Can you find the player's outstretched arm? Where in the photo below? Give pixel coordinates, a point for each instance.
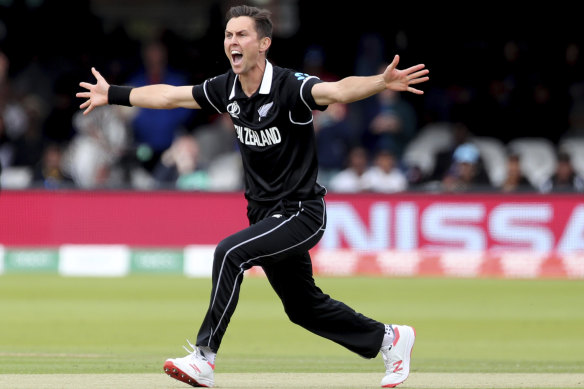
(356, 88)
(152, 96)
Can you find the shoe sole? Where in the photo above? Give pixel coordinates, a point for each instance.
(411, 350)
(178, 374)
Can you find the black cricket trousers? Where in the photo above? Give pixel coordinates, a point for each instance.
(278, 240)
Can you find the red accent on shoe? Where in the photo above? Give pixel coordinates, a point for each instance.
(395, 335)
(211, 364)
(180, 375)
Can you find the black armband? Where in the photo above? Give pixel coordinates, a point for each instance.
(119, 95)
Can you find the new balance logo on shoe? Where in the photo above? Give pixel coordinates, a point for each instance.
(397, 366)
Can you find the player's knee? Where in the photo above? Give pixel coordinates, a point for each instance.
(297, 315)
(222, 250)
(226, 250)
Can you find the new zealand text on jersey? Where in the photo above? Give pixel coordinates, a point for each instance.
(266, 137)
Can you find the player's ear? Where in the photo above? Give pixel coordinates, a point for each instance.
(265, 44)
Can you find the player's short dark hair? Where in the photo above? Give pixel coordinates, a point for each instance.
(261, 17)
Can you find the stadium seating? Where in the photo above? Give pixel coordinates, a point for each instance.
(538, 157)
(16, 177)
(574, 146)
(421, 151)
(494, 156)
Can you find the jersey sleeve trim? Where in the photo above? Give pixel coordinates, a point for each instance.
(301, 91)
(299, 123)
(207, 96)
(306, 96)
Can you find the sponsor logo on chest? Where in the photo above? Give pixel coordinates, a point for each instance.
(261, 138)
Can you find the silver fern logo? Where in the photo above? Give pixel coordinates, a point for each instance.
(263, 110)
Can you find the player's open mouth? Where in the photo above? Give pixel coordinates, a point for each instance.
(236, 57)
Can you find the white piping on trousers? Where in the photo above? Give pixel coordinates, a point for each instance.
(253, 259)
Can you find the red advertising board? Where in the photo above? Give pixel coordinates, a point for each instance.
(359, 222)
(41, 218)
(403, 234)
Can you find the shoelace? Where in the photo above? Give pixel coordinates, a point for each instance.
(195, 352)
(195, 348)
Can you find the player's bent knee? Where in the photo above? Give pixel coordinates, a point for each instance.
(298, 316)
(227, 251)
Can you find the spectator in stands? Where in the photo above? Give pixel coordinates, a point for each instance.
(155, 129)
(58, 126)
(334, 139)
(3, 78)
(49, 172)
(391, 122)
(444, 158)
(5, 149)
(12, 117)
(92, 157)
(350, 179)
(565, 178)
(313, 63)
(28, 147)
(215, 139)
(466, 172)
(515, 181)
(219, 155)
(415, 176)
(385, 176)
(178, 166)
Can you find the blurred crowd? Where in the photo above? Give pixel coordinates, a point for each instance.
(515, 131)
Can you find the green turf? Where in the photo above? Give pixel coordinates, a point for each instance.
(51, 324)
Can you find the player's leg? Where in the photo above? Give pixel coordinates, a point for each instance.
(231, 258)
(306, 305)
(288, 233)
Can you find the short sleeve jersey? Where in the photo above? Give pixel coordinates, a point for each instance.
(274, 130)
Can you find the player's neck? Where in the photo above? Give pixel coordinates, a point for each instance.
(252, 79)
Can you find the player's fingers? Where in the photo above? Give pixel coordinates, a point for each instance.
(85, 104)
(419, 80)
(88, 110)
(84, 95)
(414, 68)
(96, 74)
(418, 74)
(85, 85)
(394, 63)
(415, 91)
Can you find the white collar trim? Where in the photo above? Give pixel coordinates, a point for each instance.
(266, 81)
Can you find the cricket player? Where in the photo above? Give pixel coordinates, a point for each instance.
(271, 109)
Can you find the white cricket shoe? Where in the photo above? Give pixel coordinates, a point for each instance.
(397, 356)
(194, 369)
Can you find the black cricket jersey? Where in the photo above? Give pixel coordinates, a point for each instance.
(274, 130)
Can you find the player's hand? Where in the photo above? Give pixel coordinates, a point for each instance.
(97, 95)
(401, 80)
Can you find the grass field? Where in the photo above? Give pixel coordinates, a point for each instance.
(51, 324)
